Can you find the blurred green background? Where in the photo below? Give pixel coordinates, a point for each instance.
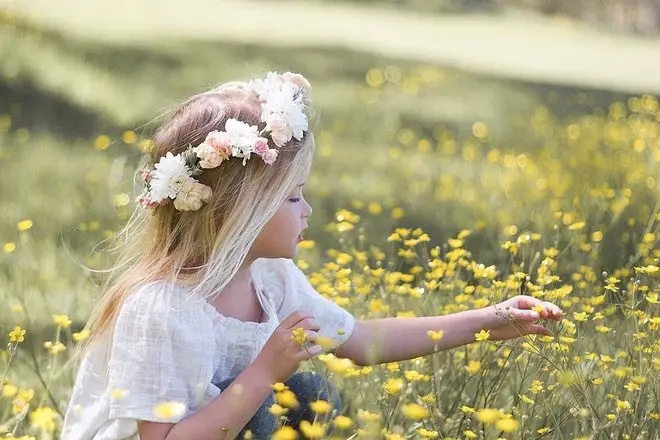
(499, 116)
(456, 112)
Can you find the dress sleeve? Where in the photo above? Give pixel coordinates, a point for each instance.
(297, 293)
(159, 354)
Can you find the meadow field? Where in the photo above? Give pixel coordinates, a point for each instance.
(436, 189)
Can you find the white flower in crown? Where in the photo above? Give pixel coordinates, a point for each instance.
(242, 138)
(168, 178)
(282, 107)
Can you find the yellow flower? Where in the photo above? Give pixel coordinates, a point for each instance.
(9, 390)
(312, 431)
(455, 243)
(580, 316)
(393, 386)
(536, 387)
(413, 375)
(277, 410)
(603, 329)
(414, 411)
(623, 405)
(426, 433)
(307, 244)
(397, 213)
(16, 308)
(483, 335)
(631, 386)
(43, 418)
(436, 336)
(287, 398)
(169, 410)
(469, 434)
(321, 406)
(9, 247)
(24, 225)
(488, 415)
(338, 365)
(17, 335)
(507, 425)
(299, 336)
(285, 433)
(543, 430)
(62, 321)
(473, 367)
(467, 409)
(26, 395)
(56, 348)
(343, 422)
(368, 416)
(19, 406)
(279, 386)
(80, 336)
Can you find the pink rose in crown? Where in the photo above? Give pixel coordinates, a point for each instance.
(146, 175)
(260, 146)
(270, 156)
(218, 140)
(145, 201)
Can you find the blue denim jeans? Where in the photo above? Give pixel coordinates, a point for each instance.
(307, 386)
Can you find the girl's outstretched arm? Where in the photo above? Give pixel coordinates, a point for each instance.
(377, 341)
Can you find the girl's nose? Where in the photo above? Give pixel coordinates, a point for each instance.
(308, 210)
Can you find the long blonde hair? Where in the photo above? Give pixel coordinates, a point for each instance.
(203, 248)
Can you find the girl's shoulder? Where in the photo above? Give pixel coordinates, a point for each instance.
(274, 272)
(164, 298)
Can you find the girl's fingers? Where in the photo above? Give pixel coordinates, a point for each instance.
(525, 315)
(309, 352)
(311, 335)
(538, 330)
(553, 310)
(527, 302)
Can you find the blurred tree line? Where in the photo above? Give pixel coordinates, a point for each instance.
(640, 17)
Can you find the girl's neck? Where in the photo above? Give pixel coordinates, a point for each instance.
(239, 298)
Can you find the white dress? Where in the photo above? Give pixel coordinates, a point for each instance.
(166, 349)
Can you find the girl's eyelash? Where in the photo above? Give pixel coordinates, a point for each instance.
(294, 199)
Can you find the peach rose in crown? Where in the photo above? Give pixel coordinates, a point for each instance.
(219, 140)
(298, 80)
(279, 129)
(210, 157)
(192, 195)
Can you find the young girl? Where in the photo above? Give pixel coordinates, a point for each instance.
(190, 338)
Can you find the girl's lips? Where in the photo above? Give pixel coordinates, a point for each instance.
(300, 237)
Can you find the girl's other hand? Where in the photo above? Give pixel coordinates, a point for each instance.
(281, 355)
(517, 316)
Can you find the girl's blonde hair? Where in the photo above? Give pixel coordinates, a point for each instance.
(203, 248)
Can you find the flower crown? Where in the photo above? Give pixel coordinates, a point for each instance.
(283, 100)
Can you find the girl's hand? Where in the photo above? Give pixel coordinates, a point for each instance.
(514, 317)
(281, 355)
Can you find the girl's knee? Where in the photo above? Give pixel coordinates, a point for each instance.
(315, 387)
